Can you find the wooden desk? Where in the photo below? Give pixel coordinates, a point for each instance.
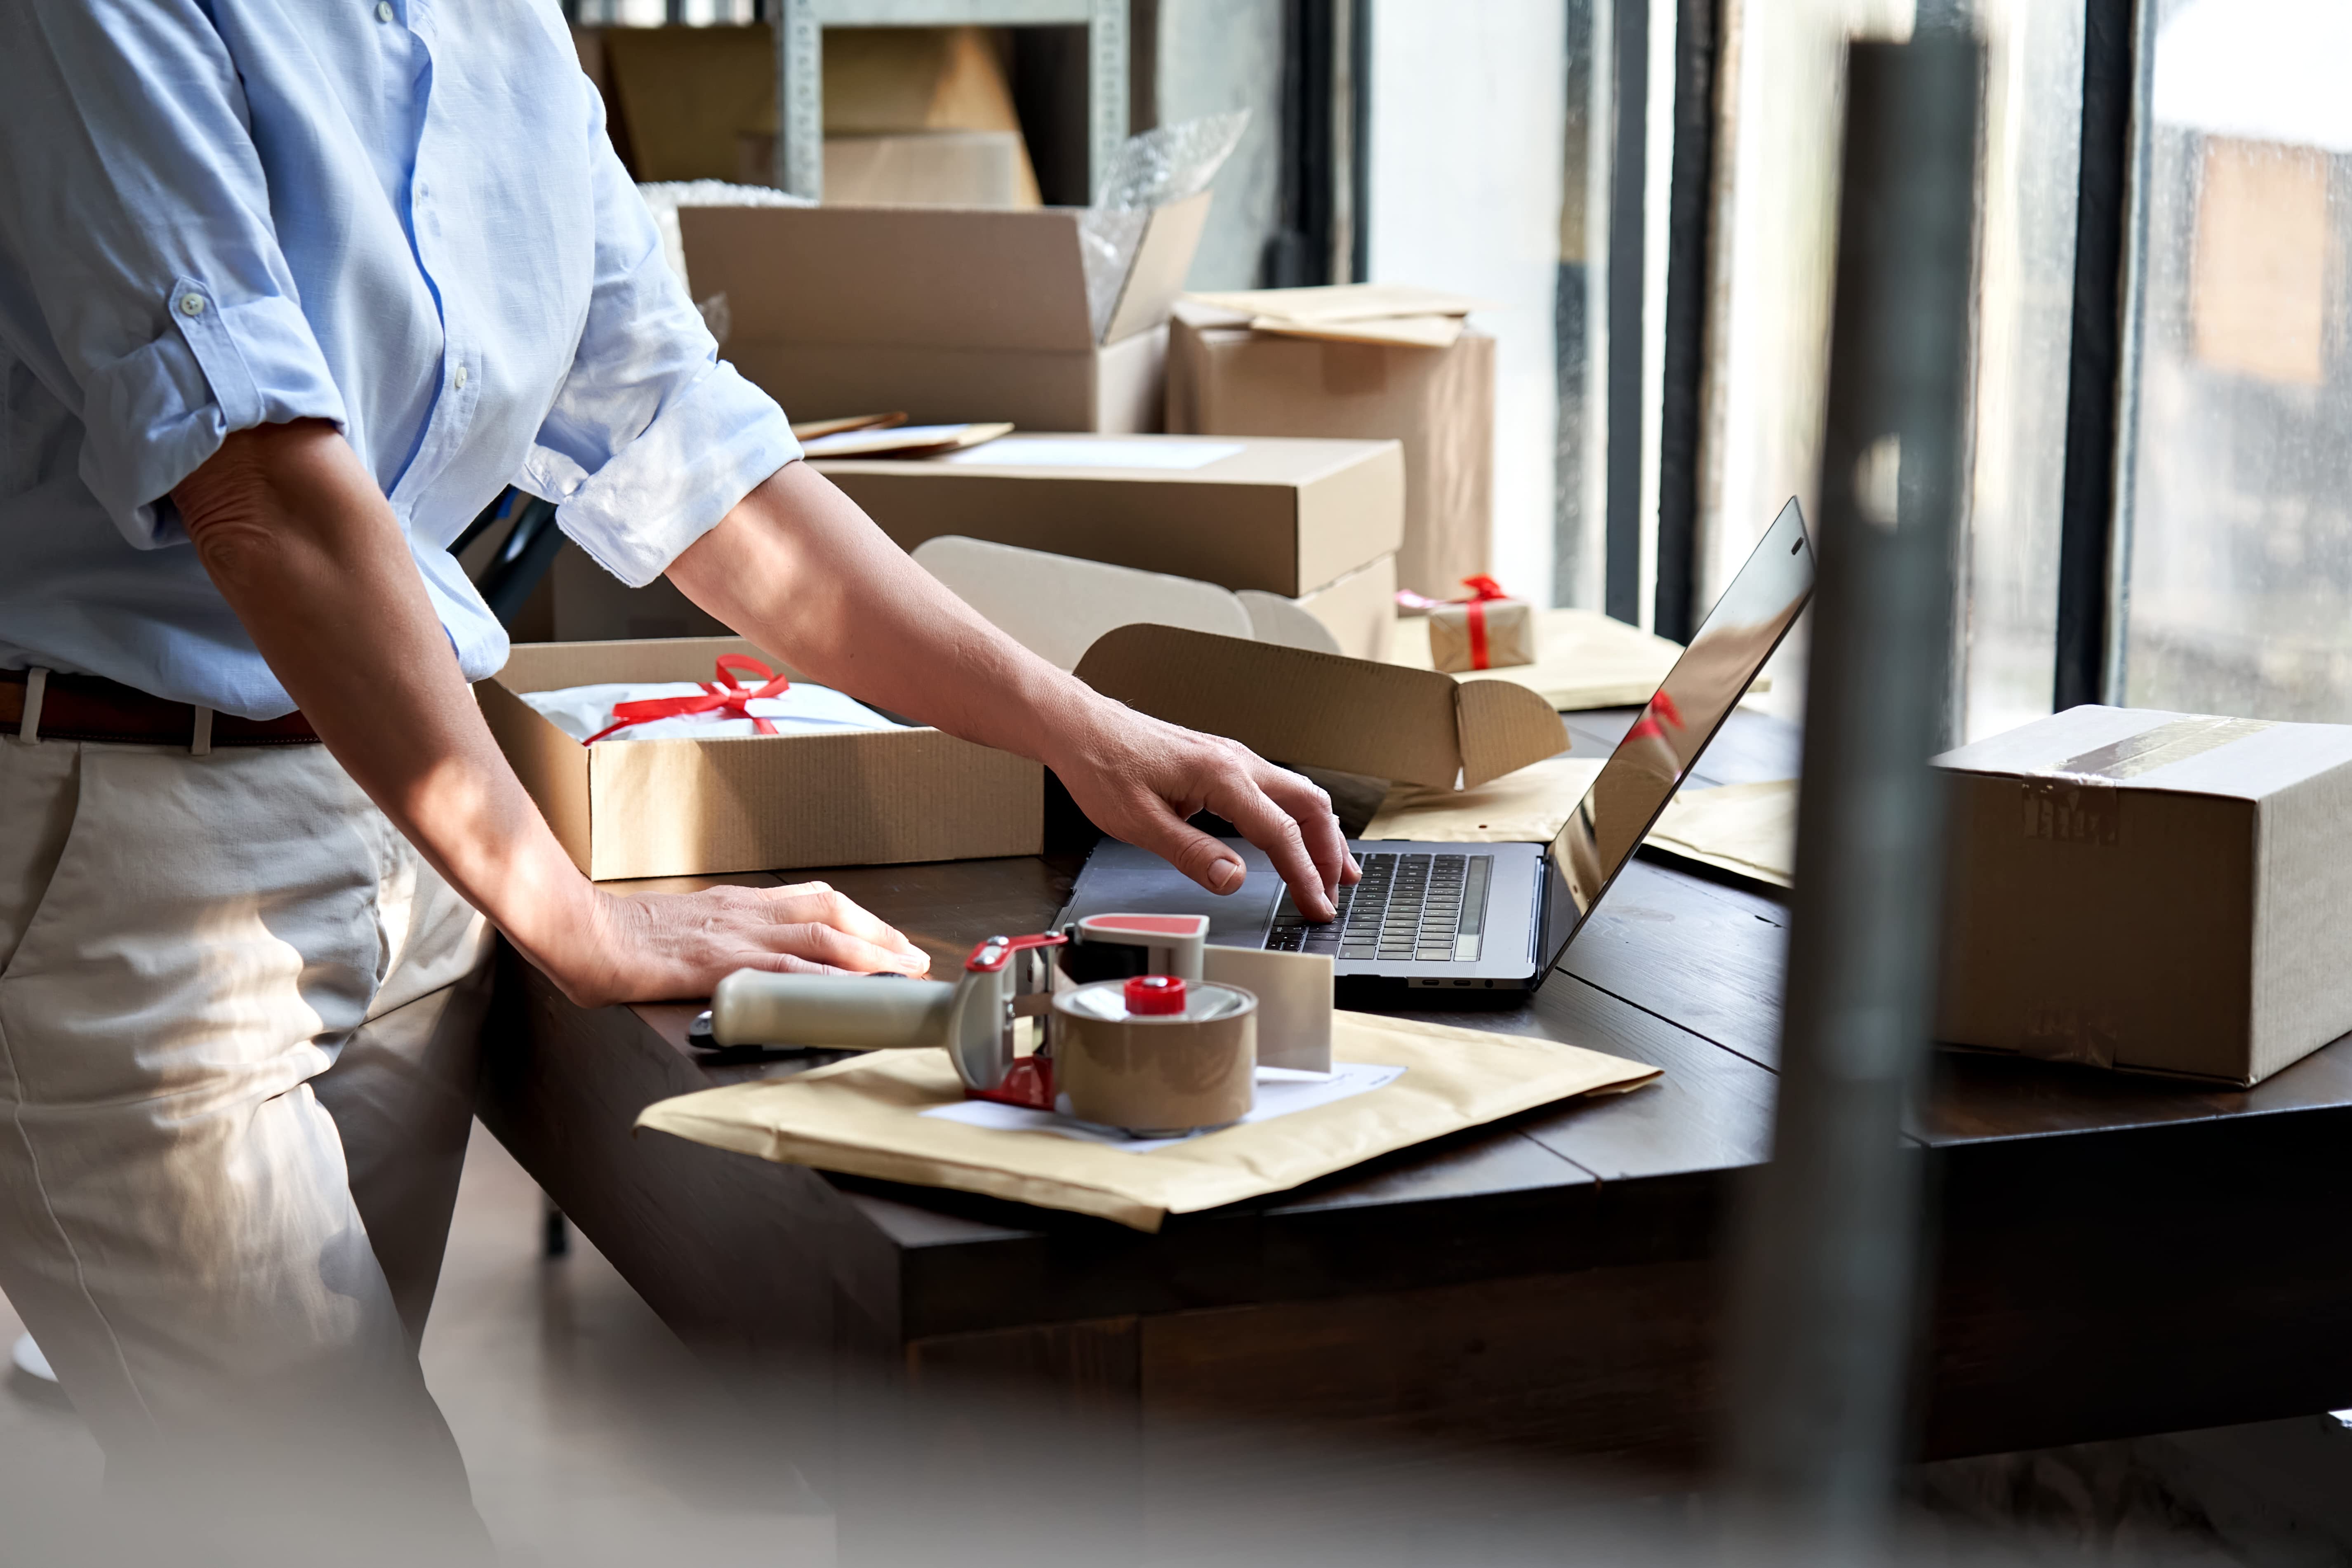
(2113, 1254)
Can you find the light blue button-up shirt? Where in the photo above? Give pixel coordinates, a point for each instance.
(400, 215)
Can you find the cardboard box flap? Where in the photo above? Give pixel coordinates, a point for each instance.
(1320, 709)
(1058, 606)
(2180, 753)
(1156, 277)
(925, 278)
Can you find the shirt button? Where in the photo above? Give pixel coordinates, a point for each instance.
(458, 380)
(383, 10)
(192, 304)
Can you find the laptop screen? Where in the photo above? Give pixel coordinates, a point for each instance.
(1706, 683)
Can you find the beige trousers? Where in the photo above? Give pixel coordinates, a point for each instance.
(238, 1024)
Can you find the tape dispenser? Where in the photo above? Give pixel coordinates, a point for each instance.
(982, 1019)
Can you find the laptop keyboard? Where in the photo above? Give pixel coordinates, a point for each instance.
(1425, 909)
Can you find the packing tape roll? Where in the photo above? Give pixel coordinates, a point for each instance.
(1156, 1074)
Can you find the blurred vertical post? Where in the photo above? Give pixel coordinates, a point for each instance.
(1829, 1248)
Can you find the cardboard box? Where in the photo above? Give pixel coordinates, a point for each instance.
(1322, 711)
(754, 803)
(1349, 616)
(1225, 379)
(1357, 610)
(929, 168)
(2152, 891)
(1286, 517)
(948, 314)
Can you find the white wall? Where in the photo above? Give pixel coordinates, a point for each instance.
(1466, 114)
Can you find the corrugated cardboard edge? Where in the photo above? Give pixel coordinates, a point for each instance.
(1502, 1076)
(1321, 709)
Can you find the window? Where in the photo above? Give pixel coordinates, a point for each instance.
(2235, 518)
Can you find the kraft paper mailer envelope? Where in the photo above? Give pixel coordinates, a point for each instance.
(864, 1118)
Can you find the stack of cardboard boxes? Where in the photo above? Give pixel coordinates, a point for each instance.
(1300, 471)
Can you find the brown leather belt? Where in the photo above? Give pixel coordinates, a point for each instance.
(87, 708)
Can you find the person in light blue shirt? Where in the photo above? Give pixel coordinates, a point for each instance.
(289, 291)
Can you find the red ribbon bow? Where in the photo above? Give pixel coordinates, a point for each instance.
(725, 695)
(1484, 590)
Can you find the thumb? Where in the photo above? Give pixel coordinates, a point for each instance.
(1202, 858)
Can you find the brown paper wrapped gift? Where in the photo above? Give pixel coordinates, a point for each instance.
(1489, 630)
(864, 1117)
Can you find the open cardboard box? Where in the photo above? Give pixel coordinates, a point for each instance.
(755, 802)
(2155, 892)
(1322, 711)
(948, 315)
(1280, 515)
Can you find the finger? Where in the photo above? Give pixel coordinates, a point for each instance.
(790, 963)
(793, 905)
(822, 943)
(1309, 805)
(1204, 859)
(1240, 802)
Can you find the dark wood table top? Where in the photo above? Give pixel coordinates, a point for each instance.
(1681, 968)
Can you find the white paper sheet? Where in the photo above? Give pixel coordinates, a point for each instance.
(581, 711)
(1047, 452)
(1281, 1091)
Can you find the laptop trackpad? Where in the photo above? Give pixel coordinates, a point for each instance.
(1120, 878)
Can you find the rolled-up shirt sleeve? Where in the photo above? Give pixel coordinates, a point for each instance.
(653, 437)
(141, 277)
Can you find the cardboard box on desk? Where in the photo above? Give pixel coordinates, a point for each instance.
(754, 803)
(948, 315)
(1287, 517)
(2152, 891)
(1224, 378)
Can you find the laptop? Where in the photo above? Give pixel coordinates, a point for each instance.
(1495, 917)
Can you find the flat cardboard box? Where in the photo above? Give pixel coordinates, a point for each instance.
(1349, 616)
(1286, 517)
(1225, 379)
(1323, 710)
(950, 314)
(2152, 891)
(755, 802)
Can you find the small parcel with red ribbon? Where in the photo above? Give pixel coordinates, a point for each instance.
(2158, 892)
(687, 804)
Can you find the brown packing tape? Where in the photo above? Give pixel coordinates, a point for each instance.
(1323, 710)
(864, 1117)
(2153, 748)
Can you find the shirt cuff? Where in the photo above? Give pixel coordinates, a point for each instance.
(154, 415)
(708, 447)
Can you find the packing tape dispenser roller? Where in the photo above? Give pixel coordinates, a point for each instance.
(1170, 1052)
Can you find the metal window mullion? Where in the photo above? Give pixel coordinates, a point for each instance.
(2131, 309)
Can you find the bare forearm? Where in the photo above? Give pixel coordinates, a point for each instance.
(307, 554)
(799, 570)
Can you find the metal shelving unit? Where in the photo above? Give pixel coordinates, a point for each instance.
(799, 67)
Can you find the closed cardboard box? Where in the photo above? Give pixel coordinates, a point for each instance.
(2160, 892)
(1285, 516)
(947, 315)
(1225, 379)
(625, 808)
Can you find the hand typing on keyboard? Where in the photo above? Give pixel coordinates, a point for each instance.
(1408, 907)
